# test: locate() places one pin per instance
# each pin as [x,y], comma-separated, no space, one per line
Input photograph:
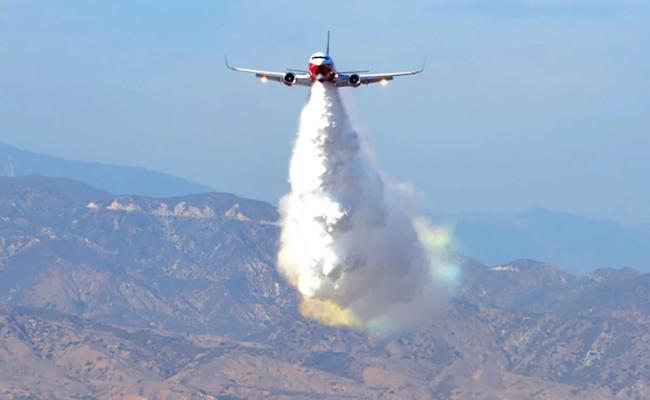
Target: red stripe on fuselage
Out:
[322,72]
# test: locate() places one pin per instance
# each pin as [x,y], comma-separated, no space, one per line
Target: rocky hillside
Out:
[200,263]
[105,296]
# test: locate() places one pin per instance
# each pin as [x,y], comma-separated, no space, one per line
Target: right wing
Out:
[300,79]
[365,79]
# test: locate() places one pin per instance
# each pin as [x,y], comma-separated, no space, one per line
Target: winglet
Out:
[328,43]
[226,59]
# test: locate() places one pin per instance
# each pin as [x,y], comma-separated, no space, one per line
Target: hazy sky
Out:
[523,103]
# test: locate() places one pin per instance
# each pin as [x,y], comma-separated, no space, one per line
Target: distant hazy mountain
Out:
[111,178]
[574,243]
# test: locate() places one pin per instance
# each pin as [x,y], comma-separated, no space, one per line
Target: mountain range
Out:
[121,296]
[572,242]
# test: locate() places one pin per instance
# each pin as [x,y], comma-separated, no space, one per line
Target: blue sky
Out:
[523,103]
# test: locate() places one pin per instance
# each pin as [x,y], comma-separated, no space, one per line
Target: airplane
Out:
[321,68]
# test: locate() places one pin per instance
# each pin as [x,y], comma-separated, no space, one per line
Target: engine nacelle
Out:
[289,78]
[354,80]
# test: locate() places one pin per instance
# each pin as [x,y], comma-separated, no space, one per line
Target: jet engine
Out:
[354,80]
[289,79]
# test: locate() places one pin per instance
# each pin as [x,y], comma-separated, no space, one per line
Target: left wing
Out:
[288,78]
[345,79]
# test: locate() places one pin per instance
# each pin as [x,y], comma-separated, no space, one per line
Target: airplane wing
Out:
[343,79]
[298,79]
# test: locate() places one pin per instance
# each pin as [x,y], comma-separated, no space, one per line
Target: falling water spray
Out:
[350,243]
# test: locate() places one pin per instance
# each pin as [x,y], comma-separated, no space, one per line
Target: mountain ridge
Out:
[108,177]
[110,296]
[575,243]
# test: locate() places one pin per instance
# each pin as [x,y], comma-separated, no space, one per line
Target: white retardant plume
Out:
[349,243]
